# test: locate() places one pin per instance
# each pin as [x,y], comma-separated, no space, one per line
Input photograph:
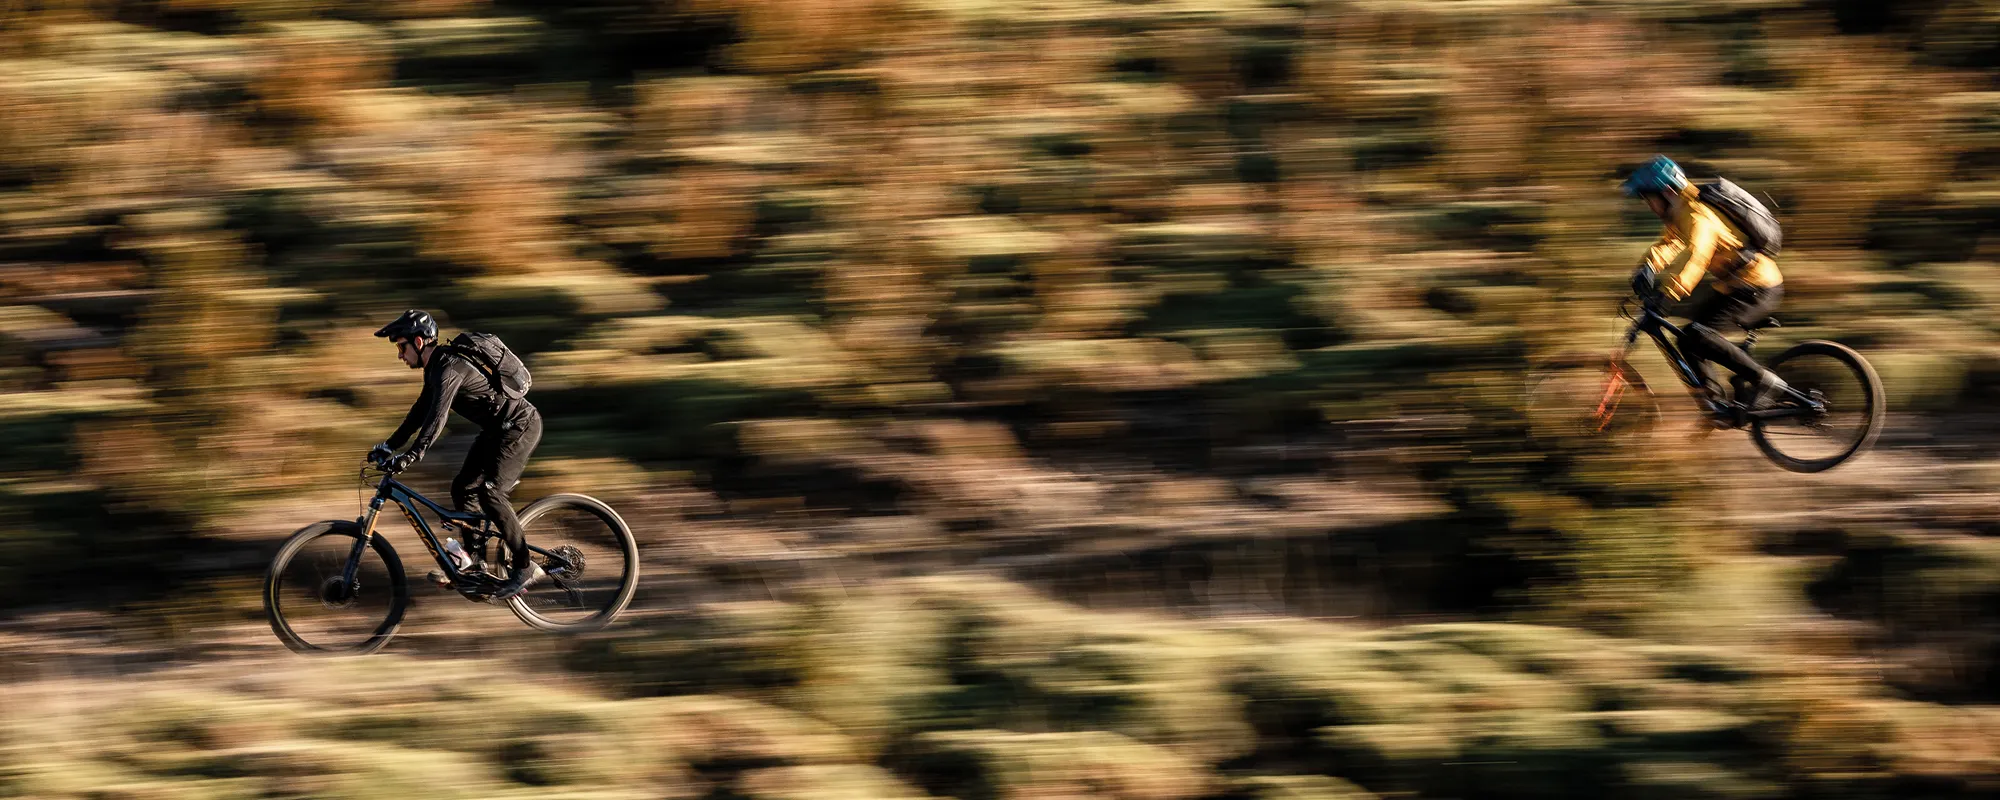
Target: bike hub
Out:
[337,593]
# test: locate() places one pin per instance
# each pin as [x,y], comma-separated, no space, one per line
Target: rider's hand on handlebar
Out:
[1645,282]
[380,453]
[399,463]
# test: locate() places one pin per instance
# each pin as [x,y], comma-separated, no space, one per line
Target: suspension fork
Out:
[1617,382]
[367,536]
[1615,386]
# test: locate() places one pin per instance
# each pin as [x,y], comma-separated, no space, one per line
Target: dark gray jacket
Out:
[453,384]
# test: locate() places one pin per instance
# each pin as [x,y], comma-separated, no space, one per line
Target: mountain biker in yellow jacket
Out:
[1699,241]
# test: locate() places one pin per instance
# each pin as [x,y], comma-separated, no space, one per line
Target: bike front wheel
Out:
[1589,396]
[1844,397]
[591,559]
[313,605]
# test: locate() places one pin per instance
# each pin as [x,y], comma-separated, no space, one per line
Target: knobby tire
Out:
[628,580]
[399,590]
[1874,412]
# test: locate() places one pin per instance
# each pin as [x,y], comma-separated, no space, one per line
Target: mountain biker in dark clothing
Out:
[509,429]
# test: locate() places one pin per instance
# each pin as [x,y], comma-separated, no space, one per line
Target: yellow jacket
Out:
[1698,238]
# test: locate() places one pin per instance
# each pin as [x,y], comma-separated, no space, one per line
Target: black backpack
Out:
[1760,228]
[489,355]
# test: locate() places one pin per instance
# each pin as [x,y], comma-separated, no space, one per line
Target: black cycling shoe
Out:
[519,583]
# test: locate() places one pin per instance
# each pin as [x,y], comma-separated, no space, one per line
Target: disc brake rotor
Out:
[567,555]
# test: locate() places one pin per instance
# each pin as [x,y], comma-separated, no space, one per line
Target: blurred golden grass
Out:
[1120,705]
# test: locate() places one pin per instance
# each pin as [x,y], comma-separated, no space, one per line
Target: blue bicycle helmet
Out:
[1660,175]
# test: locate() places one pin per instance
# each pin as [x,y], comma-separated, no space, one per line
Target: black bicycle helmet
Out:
[414,323]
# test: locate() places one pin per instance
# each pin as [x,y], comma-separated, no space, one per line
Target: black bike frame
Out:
[1652,323]
[1655,324]
[392,490]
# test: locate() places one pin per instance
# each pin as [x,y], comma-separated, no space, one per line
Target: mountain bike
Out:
[338,586]
[1831,411]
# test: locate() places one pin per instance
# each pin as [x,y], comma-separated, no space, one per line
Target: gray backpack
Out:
[1759,226]
[490,356]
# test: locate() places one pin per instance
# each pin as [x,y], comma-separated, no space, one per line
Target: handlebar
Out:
[1652,305]
[378,460]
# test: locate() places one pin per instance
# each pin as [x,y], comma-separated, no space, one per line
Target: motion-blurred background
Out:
[1072,398]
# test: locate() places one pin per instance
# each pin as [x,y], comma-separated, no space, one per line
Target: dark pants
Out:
[491,470]
[1702,339]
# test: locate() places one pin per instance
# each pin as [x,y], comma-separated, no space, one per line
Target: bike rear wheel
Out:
[593,564]
[1852,403]
[1593,396]
[314,609]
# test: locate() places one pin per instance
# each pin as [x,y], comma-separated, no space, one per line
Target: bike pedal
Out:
[439,578]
